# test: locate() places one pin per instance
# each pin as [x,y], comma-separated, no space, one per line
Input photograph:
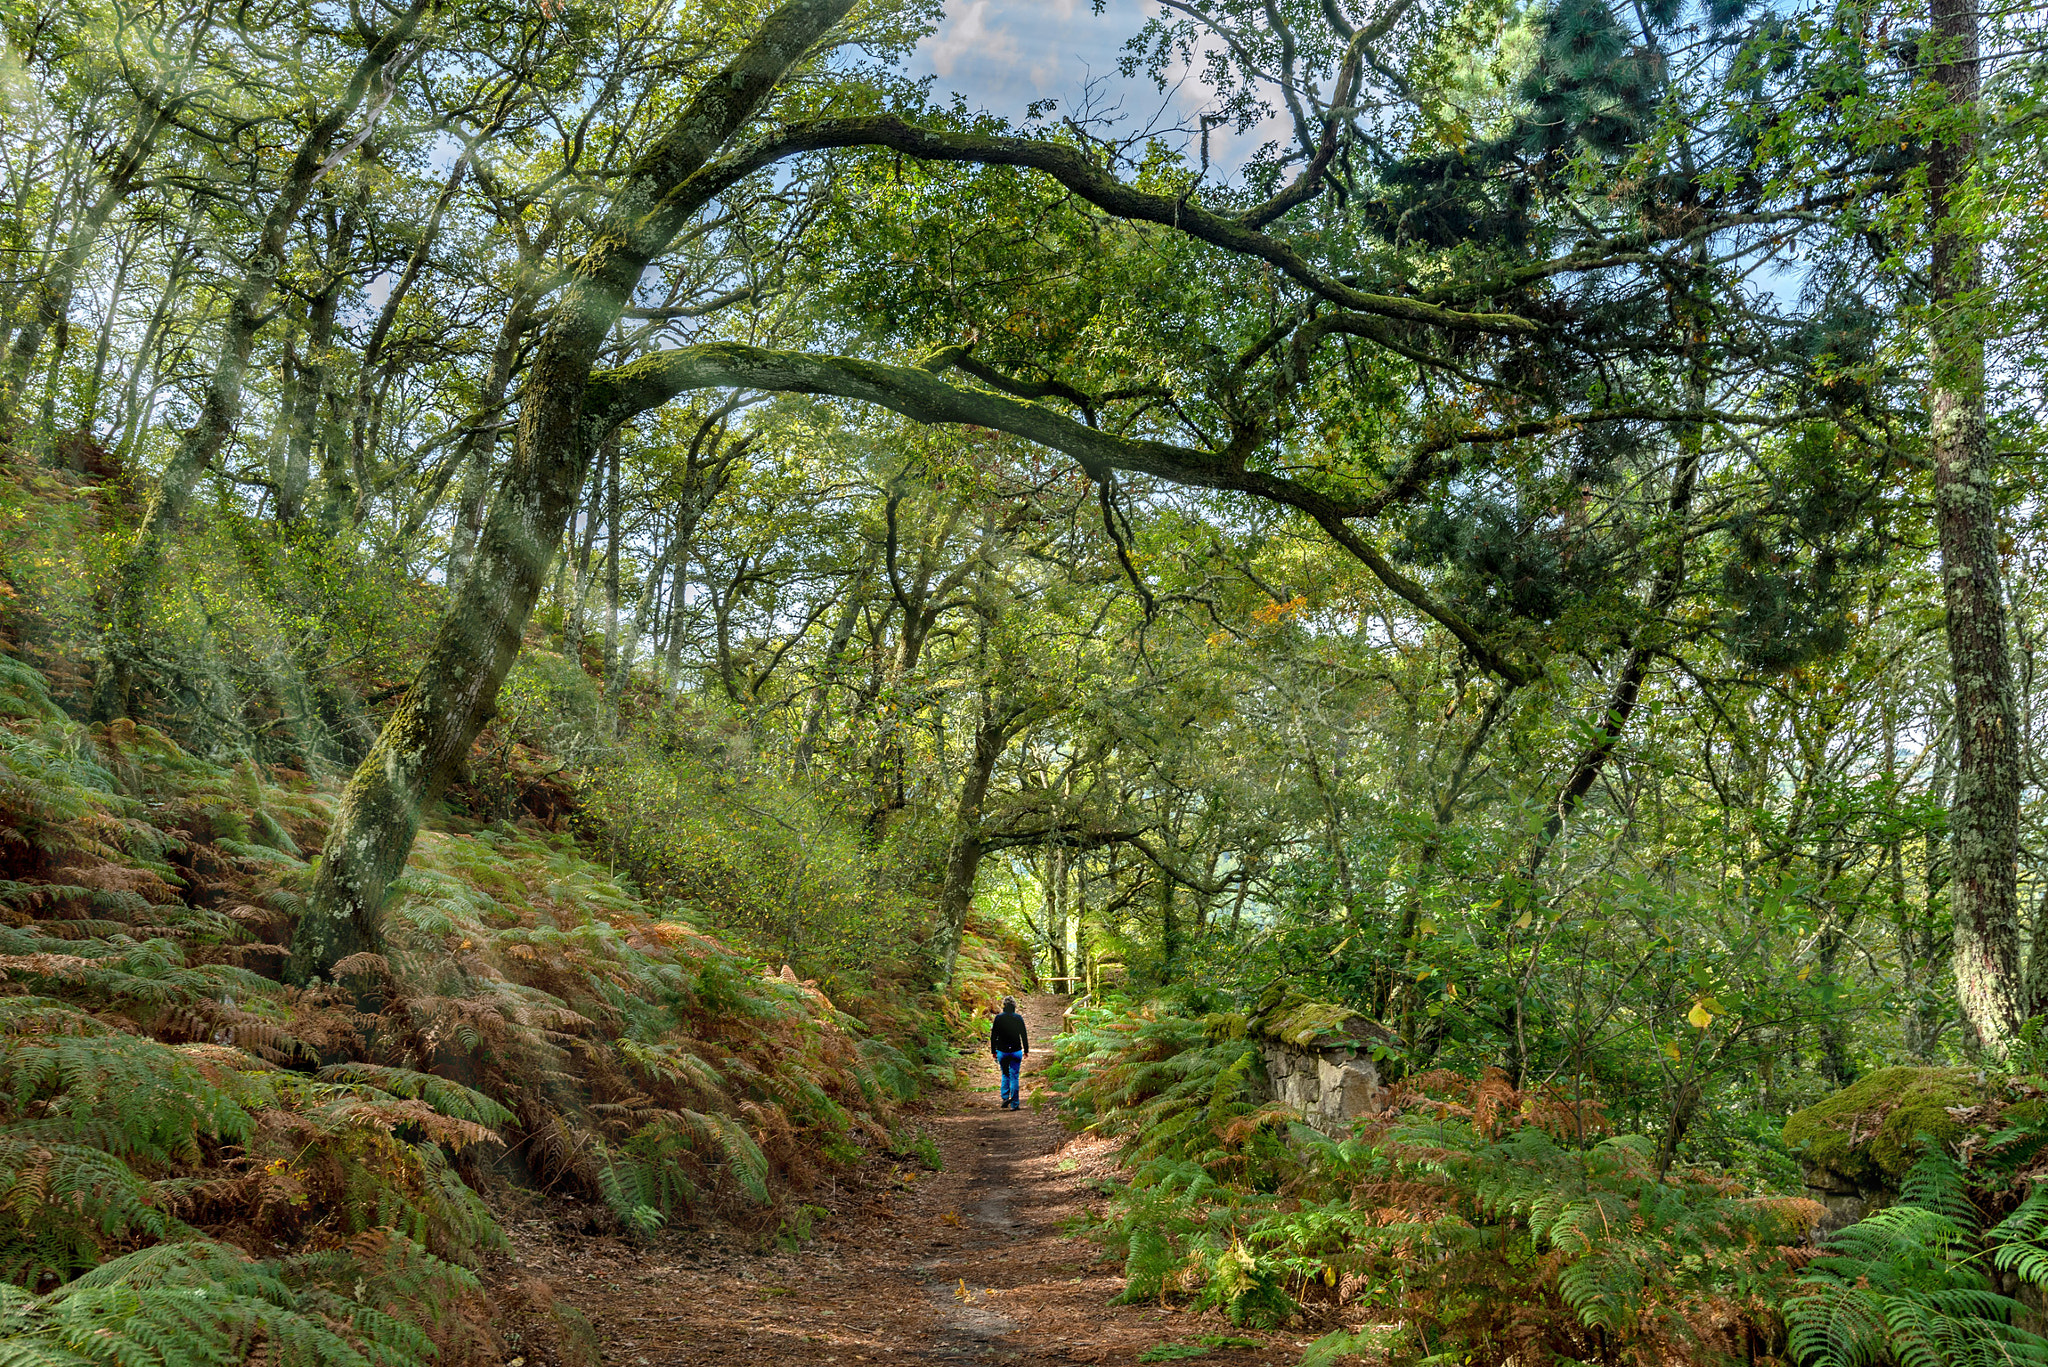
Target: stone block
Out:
[1330,1069]
[1357,1091]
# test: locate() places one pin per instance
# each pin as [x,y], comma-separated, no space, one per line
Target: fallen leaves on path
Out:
[968,1264]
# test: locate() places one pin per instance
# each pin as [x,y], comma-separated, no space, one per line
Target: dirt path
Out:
[970,1264]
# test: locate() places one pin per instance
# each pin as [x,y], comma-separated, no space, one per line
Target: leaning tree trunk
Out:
[1984,887]
[307,381]
[829,670]
[456,691]
[473,458]
[1056,912]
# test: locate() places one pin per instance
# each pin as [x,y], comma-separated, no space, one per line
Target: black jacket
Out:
[1007,1034]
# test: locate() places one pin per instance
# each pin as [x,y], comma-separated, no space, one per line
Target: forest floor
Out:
[973,1263]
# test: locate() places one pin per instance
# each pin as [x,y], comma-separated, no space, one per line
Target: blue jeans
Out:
[1013,1063]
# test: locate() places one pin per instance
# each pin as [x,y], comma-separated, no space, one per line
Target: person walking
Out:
[1009,1042]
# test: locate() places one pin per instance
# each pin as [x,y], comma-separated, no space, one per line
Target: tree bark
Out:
[1081,955]
[307,383]
[457,688]
[362,430]
[1169,926]
[578,567]
[1984,883]
[615,545]
[152,337]
[621,670]
[963,855]
[89,405]
[835,654]
[1056,912]
[482,438]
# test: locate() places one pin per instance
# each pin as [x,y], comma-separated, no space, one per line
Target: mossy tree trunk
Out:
[1056,911]
[1000,724]
[473,461]
[1169,926]
[964,854]
[307,380]
[836,658]
[473,649]
[1991,980]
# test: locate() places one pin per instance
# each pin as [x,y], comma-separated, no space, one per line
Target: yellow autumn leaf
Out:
[1522,922]
[1671,1049]
[1699,1016]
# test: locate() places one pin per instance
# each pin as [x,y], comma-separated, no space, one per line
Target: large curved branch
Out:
[922,395]
[1416,596]
[1342,92]
[918,392]
[1084,178]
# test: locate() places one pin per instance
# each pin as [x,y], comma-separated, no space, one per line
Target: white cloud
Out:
[964,43]
[1003,54]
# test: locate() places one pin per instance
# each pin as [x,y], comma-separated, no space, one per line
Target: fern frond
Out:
[153,1101]
[1937,1183]
[450,1099]
[200,1302]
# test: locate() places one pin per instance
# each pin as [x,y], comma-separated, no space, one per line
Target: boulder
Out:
[1857,1146]
[1871,1133]
[1358,1091]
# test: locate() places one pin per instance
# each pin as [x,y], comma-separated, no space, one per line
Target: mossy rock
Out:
[1223,1026]
[1285,1013]
[1870,1134]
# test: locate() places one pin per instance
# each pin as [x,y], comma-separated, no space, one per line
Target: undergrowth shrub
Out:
[256,635]
[1469,1222]
[761,856]
[242,1169]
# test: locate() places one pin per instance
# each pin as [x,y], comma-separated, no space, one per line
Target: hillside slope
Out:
[200,1162]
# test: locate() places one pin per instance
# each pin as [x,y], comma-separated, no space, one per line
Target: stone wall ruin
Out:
[1319,1060]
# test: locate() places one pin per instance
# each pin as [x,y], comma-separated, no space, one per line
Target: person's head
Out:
[1009,1003]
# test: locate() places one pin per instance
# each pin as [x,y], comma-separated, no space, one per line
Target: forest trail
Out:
[970,1264]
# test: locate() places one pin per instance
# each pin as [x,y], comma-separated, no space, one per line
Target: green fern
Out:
[196,1304]
[450,1099]
[1466,1240]
[151,1093]
[64,1205]
[1913,1283]
[132,1097]
[646,1180]
[886,1072]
